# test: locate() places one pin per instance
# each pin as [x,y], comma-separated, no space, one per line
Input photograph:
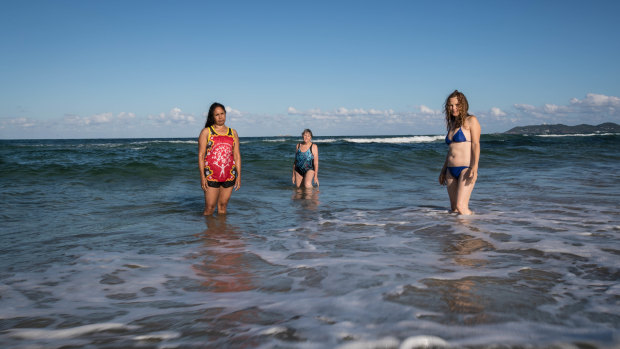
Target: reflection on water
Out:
[462,299]
[462,296]
[307,197]
[225,264]
[460,247]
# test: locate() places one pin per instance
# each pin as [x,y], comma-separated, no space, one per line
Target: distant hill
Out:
[559,129]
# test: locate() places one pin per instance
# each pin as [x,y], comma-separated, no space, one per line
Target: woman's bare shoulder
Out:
[204,132]
[471,120]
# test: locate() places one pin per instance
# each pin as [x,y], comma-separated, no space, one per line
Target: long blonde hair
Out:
[456,121]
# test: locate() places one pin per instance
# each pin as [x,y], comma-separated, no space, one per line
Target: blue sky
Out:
[105,69]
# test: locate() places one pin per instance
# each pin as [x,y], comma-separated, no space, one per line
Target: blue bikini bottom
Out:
[456,171]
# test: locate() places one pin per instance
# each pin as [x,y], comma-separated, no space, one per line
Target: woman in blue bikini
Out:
[460,170]
[306,165]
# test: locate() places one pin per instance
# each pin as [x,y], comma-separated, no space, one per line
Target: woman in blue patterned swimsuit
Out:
[306,165]
[460,170]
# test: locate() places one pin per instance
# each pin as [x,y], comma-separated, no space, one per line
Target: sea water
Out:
[103,245]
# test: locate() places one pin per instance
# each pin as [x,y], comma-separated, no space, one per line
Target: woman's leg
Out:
[211,198]
[308,177]
[465,188]
[298,179]
[222,201]
[452,184]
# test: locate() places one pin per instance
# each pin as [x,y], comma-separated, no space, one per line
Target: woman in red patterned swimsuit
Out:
[219,160]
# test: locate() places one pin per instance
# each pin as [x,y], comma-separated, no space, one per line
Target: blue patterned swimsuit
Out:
[304,161]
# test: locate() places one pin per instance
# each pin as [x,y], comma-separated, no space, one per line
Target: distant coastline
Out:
[559,129]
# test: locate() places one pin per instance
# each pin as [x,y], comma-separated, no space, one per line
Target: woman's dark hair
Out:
[210,117]
[307,131]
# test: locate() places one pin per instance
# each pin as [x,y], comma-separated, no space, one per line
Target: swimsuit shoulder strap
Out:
[228,132]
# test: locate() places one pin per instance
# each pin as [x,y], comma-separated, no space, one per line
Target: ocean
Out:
[103,245]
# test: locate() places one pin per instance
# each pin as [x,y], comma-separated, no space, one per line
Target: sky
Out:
[141,69]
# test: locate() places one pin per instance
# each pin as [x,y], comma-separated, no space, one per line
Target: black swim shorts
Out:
[226,184]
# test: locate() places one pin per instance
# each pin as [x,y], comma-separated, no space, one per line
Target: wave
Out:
[171,141]
[351,139]
[361,139]
[396,140]
[32,333]
[94,143]
[580,135]
[275,140]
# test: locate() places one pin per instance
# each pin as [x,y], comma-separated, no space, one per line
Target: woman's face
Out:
[219,115]
[307,137]
[453,106]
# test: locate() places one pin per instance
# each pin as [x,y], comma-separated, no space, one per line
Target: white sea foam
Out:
[158,336]
[277,140]
[423,342]
[395,140]
[388,342]
[274,330]
[28,333]
[326,140]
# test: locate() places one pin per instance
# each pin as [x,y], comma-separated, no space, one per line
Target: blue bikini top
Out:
[458,137]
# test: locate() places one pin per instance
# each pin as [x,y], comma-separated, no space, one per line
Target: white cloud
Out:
[497,112]
[421,119]
[369,121]
[342,111]
[597,100]
[126,116]
[292,111]
[174,116]
[98,119]
[556,109]
[551,108]
[17,122]
[88,120]
[525,107]
[426,110]
[594,108]
[233,112]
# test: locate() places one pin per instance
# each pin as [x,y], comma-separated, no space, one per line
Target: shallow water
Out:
[103,246]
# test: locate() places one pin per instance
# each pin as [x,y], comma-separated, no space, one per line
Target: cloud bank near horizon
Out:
[592,109]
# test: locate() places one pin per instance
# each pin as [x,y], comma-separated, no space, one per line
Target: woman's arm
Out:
[315,153]
[237,157]
[294,154]
[202,148]
[442,174]
[474,129]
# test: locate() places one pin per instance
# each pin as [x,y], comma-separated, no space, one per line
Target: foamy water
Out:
[111,250]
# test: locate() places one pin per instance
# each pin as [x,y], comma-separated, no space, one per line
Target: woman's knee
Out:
[221,207]
[308,182]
